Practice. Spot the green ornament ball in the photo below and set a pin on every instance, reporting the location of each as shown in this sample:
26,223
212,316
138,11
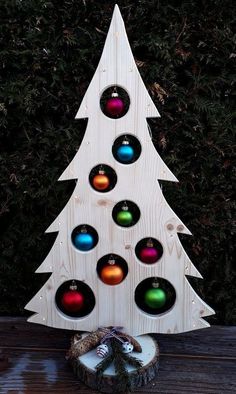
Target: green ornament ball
124,218
155,298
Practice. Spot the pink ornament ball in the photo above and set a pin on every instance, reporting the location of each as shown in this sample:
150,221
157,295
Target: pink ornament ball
149,255
114,106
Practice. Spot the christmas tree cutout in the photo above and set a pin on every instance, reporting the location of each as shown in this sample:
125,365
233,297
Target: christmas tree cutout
117,216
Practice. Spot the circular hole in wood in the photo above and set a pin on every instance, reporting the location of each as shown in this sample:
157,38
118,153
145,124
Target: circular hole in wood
126,213
75,299
112,269
126,149
102,178
149,250
115,102
84,237
155,295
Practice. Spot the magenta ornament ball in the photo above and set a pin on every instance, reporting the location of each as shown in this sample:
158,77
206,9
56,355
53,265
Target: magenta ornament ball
149,255
114,106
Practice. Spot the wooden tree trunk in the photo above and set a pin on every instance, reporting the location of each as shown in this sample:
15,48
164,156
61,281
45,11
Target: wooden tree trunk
85,368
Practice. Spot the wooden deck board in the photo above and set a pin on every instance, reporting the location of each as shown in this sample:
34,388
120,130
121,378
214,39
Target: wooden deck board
32,360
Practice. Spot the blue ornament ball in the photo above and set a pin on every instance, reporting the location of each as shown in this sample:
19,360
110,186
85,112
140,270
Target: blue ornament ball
84,241
125,153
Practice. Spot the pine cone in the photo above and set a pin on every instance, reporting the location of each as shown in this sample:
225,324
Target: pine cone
82,346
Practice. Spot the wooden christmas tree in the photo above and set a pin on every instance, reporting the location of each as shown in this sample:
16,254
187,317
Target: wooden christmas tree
117,259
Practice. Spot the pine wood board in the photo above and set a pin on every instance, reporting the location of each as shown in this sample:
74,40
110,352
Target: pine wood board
138,182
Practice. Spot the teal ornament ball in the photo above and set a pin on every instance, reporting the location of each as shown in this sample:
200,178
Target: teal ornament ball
124,218
84,241
125,153
155,298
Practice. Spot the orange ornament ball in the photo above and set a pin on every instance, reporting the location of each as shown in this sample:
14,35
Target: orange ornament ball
101,182
112,274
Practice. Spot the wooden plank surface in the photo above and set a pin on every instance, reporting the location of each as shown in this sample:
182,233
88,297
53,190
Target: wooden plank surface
214,341
115,305
32,360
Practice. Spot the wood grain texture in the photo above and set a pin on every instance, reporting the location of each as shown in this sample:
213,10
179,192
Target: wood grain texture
215,341
48,373
195,362
137,182
85,367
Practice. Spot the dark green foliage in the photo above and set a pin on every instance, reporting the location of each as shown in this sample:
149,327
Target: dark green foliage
186,56
120,359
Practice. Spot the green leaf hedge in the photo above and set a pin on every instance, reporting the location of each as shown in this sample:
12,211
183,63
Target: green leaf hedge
186,55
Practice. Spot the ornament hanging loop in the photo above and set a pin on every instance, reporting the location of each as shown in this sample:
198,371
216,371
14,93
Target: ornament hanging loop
114,93
125,206
73,285
155,283
101,170
150,243
125,141
112,333
111,260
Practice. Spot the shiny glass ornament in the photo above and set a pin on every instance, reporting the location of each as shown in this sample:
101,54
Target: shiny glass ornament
126,149
74,298
124,218
84,241
149,250
155,298
114,101
114,106
148,255
112,274
112,269
101,182
126,213
125,153
72,301
102,178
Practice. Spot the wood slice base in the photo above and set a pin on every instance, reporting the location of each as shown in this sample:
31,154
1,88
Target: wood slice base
85,368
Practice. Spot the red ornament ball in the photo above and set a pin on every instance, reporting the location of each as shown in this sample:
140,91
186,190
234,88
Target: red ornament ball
149,255
114,106
72,301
